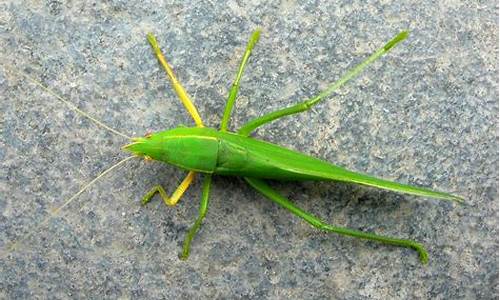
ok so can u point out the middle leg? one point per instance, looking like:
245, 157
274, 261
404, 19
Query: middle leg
236, 84
202, 213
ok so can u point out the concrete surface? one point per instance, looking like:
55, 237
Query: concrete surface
426, 114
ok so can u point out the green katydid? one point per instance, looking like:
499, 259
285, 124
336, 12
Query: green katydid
221, 152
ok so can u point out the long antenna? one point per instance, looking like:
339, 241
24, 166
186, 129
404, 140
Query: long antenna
69, 104
58, 210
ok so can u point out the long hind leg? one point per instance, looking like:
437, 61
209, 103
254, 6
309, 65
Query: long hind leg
250, 126
233, 92
274, 196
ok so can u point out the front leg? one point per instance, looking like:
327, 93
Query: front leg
176, 196
178, 88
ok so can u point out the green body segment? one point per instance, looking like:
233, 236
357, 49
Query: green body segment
209, 151
224, 153
236, 154
186, 148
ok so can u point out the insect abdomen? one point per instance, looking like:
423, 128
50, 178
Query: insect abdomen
242, 156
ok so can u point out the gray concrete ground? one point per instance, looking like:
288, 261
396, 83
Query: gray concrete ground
426, 114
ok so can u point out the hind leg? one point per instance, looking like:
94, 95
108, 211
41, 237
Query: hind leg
274, 196
250, 126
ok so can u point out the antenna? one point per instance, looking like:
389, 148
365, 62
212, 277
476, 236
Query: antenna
69, 104
58, 210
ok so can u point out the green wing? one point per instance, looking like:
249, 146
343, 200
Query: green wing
249, 157
341, 174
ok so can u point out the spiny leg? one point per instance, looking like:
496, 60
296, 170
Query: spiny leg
176, 196
250, 126
181, 92
274, 196
233, 92
202, 213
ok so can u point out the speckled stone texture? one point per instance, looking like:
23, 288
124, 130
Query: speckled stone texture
426, 114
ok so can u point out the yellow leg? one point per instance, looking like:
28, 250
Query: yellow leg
176, 196
181, 92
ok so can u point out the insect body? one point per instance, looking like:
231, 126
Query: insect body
231, 154
211, 151
219, 152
